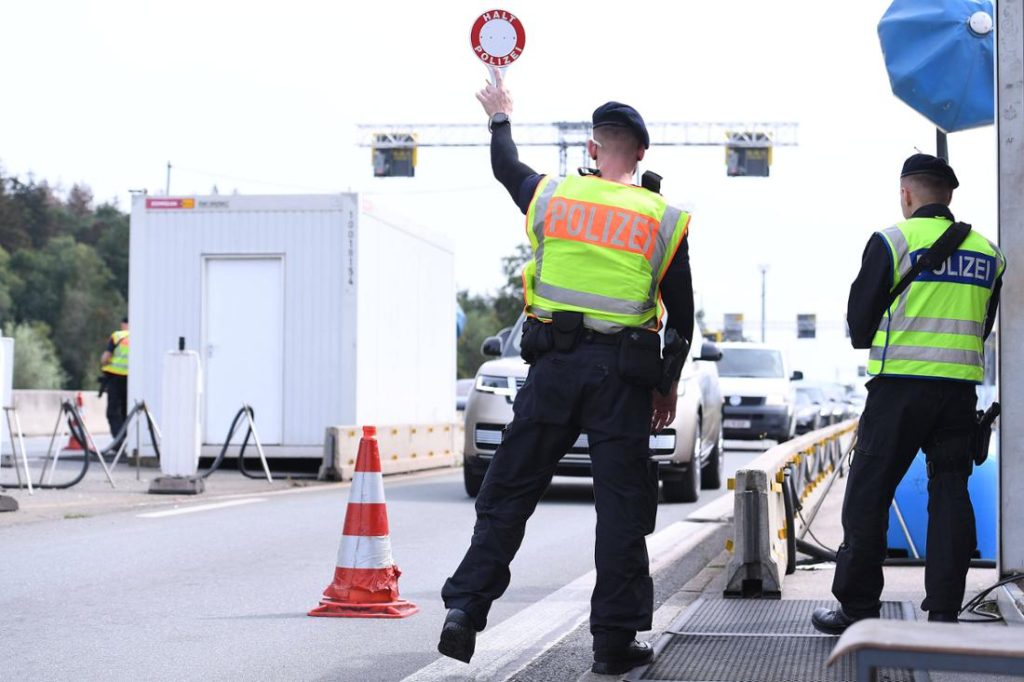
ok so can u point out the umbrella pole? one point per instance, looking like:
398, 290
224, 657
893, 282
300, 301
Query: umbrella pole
941, 148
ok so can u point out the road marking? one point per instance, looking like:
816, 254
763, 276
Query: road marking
199, 508
505, 649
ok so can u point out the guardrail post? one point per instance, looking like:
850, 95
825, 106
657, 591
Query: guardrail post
763, 529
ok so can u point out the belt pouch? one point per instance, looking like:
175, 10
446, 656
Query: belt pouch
566, 327
640, 358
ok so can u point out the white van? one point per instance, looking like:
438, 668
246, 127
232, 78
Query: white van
758, 392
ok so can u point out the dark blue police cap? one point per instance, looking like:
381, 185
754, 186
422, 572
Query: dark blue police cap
624, 116
926, 164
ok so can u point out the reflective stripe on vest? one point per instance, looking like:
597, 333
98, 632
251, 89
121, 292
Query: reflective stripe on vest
119, 357
936, 328
599, 248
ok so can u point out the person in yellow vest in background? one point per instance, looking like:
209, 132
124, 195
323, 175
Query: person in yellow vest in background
606, 253
114, 362
926, 356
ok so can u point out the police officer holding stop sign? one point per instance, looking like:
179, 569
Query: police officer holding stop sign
926, 327
603, 249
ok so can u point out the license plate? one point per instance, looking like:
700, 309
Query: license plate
736, 423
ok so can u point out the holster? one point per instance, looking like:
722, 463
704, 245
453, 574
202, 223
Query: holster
983, 432
951, 451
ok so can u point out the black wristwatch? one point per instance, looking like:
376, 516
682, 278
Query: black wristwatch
498, 119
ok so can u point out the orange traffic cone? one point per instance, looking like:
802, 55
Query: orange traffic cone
73, 443
366, 579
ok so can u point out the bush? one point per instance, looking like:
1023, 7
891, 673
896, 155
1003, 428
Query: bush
35, 357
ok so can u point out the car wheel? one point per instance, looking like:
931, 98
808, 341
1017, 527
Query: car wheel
685, 487
473, 481
711, 472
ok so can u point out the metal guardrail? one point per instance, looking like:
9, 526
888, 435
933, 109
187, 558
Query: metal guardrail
765, 525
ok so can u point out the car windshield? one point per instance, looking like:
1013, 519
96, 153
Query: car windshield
835, 392
810, 395
511, 348
759, 363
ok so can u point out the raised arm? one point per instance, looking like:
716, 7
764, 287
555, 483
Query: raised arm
518, 179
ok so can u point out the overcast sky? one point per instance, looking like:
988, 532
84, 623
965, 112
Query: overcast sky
264, 97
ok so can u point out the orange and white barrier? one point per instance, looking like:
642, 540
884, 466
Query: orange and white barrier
365, 581
403, 448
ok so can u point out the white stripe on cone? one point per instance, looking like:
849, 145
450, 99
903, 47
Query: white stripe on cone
361, 551
367, 488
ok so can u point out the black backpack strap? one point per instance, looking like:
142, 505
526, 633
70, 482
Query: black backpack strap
939, 252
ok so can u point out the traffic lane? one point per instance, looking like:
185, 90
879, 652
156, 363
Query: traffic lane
149, 593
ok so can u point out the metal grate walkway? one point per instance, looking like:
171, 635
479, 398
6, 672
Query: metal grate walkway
747, 640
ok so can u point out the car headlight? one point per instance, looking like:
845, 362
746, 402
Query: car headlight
778, 399
493, 384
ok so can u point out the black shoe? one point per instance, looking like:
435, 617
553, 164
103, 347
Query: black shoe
943, 617
458, 636
831, 621
618, 661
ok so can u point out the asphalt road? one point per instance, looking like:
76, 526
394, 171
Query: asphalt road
221, 592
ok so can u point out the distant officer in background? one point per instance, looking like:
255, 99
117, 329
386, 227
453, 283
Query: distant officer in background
602, 249
114, 362
926, 358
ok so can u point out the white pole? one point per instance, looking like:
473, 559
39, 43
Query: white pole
1010, 134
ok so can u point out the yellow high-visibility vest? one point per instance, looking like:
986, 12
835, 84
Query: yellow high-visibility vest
600, 248
936, 328
119, 357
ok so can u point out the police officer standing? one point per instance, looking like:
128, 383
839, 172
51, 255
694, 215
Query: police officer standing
114, 365
926, 358
602, 249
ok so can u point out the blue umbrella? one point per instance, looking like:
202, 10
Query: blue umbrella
940, 59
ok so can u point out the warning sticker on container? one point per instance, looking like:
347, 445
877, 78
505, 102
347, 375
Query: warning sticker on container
161, 203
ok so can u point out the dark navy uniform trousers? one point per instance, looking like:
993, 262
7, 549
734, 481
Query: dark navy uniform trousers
567, 392
900, 417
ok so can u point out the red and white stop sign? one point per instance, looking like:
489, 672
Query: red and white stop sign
497, 38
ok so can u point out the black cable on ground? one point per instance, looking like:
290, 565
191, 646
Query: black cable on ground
241, 452
227, 442
979, 599
78, 433
122, 434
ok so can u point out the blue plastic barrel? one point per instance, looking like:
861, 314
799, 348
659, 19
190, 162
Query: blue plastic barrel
912, 498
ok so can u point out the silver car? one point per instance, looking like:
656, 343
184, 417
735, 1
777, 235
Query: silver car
694, 435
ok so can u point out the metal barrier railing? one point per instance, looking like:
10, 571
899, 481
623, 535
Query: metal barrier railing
768, 494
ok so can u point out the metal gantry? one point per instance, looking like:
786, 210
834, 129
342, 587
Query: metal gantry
566, 134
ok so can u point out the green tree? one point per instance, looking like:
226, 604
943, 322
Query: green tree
69, 287
63, 273
35, 359
481, 322
508, 304
110, 226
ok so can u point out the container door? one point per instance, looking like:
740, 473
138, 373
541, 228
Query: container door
243, 346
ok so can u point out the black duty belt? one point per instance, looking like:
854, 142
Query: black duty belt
591, 336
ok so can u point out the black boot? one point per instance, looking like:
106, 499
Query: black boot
831, 621
458, 636
618, 661
943, 617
